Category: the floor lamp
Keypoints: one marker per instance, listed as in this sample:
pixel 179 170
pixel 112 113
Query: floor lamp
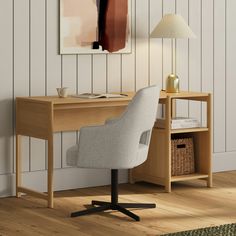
pixel 172 26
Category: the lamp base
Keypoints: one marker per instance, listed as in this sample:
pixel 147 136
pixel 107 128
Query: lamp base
pixel 172 84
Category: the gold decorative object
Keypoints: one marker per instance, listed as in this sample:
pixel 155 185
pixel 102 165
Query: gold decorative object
pixel 172 84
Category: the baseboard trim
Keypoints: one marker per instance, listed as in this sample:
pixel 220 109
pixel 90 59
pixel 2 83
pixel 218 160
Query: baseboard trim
pixel 64 179
pixel 224 161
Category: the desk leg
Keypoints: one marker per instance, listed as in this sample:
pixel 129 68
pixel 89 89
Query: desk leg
pixel 168 186
pixel 18 164
pixel 168 116
pixel 50 172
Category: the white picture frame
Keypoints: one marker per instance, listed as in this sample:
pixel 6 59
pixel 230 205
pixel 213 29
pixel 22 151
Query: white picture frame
pixel 68 23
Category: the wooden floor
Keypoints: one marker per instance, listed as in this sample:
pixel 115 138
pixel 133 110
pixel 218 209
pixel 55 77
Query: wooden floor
pixel 190 205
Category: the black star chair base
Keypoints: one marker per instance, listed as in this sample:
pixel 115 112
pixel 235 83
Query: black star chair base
pixel 121 143
pixel 114 204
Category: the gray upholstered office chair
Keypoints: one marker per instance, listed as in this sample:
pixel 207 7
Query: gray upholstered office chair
pixel 120 143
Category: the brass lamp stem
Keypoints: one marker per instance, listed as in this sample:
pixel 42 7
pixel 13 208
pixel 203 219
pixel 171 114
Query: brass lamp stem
pixel 172 56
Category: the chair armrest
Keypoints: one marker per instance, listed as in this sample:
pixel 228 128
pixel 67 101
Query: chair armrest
pixel 95 142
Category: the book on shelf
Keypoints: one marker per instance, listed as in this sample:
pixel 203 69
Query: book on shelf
pixel 97 95
pixel 179 123
pixel 185 126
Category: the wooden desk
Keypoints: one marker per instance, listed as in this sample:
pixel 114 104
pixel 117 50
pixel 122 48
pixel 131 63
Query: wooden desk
pixel 40 117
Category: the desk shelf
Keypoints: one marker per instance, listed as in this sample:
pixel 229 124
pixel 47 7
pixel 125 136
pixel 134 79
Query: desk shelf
pixel 192 130
pixel 157 168
pixel 188 177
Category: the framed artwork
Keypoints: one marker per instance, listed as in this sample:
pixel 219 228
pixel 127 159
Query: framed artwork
pixel 95 26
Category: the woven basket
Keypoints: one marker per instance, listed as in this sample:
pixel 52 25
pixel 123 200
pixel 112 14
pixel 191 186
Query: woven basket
pixel 182 156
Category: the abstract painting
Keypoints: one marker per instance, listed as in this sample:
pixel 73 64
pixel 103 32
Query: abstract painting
pixel 95 26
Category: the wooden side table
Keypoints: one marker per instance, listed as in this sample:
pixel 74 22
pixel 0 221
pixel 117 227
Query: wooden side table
pixel 157 168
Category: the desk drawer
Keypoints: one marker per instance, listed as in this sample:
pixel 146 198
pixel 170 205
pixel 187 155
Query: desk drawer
pixel 74 119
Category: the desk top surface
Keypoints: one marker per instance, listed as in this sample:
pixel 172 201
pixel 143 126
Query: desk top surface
pixel 71 100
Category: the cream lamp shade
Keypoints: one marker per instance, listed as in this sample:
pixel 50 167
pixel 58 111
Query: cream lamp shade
pixel 172 26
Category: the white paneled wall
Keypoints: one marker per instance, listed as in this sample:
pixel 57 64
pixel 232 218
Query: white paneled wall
pixel 30 65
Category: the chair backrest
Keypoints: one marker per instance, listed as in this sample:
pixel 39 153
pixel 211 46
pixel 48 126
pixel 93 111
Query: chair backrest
pixel 136 123
pixel 142 110
pixel 124 142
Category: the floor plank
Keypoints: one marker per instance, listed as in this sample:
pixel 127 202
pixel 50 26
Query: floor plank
pixel 190 205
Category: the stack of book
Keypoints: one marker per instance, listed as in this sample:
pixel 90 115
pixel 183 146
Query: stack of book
pixel 179 123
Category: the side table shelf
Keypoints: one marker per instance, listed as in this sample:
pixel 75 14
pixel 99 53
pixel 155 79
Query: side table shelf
pixel 157 168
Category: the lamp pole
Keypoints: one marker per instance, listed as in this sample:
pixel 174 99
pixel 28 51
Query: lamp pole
pixel 172 56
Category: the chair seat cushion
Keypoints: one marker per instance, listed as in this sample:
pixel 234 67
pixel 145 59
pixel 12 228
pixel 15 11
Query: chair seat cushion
pixel 72 158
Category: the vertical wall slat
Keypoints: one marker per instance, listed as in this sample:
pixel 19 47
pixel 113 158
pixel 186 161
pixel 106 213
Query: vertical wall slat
pixel 21 63
pixel 53 65
pixel 182 60
pixel 231 75
pixel 128 60
pixel 168 7
pixel 84 79
pixel 37 74
pixel 114 73
pixel 84 73
pixel 155 48
pixel 219 76
pixel 142 40
pixel 195 56
pixel 207 52
pixel 6 93
pixel 99 73
pixel 155 44
pixel 69 79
